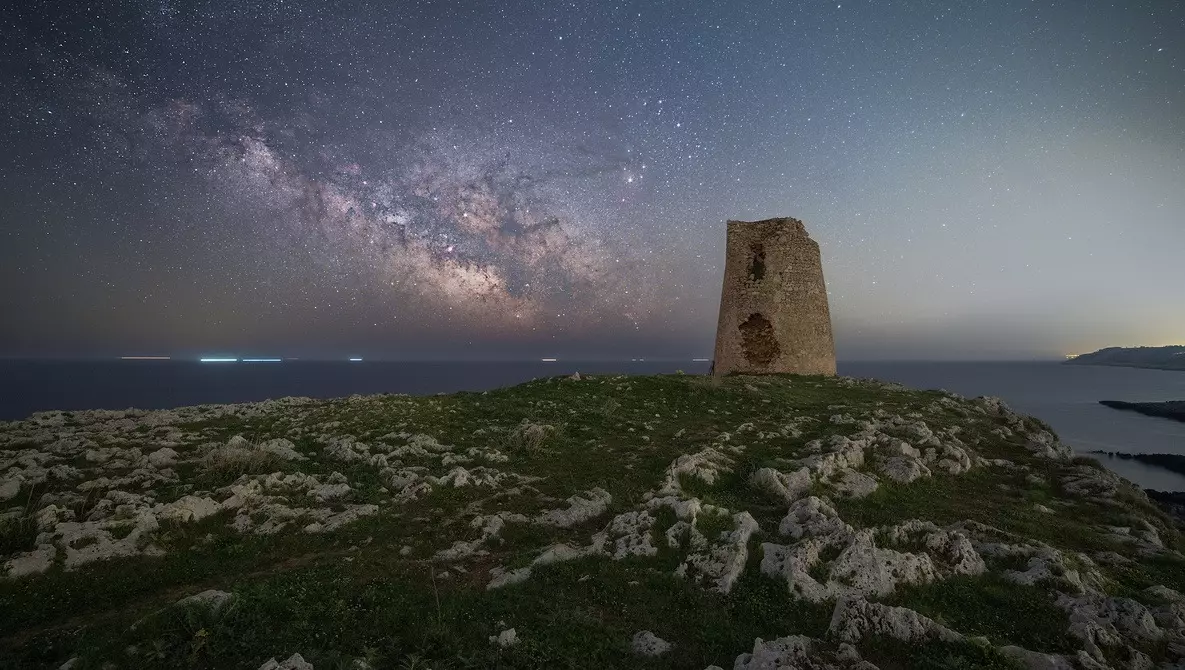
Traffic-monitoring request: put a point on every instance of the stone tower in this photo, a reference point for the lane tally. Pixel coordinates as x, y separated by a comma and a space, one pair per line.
773, 308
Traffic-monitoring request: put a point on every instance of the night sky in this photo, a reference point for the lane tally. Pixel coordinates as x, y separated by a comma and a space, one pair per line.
986, 179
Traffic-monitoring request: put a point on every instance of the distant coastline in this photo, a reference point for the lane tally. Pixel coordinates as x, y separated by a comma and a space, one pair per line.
1157, 358
1173, 409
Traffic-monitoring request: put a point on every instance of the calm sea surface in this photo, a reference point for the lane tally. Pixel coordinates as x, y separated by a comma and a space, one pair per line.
1063, 395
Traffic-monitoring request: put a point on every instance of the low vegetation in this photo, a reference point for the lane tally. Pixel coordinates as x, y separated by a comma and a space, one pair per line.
741, 521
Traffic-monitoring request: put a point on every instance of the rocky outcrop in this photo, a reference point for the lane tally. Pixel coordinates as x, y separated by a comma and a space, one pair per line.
646, 643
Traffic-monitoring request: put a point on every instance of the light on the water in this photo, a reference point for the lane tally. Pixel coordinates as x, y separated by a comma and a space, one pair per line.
549, 360
355, 360
219, 360
262, 360
700, 360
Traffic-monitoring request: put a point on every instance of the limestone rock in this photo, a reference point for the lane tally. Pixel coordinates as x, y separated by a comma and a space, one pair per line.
1033, 660
31, 562
812, 517
212, 599
785, 652
630, 534
785, 487
501, 577
507, 638
854, 484
163, 458
722, 563
855, 619
282, 448
581, 508
646, 643
9, 488
190, 508
705, 465
293, 662
798, 651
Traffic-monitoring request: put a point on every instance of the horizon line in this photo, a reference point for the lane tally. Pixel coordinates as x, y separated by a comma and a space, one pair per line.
524, 359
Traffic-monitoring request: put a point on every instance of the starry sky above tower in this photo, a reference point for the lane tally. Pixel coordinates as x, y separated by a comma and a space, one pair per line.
987, 179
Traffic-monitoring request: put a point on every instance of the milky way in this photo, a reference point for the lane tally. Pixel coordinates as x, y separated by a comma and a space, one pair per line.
508, 179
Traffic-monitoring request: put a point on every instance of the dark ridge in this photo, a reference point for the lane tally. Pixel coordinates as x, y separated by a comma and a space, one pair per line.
1173, 409
1171, 462
1160, 358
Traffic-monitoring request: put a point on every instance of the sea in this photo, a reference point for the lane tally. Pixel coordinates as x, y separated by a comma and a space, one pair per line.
1065, 396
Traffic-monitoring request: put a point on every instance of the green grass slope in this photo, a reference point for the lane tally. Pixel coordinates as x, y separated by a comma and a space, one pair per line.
746, 522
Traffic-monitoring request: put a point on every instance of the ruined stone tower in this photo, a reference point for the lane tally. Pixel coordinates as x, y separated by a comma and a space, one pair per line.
773, 308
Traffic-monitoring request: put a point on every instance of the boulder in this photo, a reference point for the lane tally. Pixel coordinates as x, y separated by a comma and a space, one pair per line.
646, 643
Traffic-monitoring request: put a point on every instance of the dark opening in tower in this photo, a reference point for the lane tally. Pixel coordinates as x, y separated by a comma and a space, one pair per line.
758, 340
757, 263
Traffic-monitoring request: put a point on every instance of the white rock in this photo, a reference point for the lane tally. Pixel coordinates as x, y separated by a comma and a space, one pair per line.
211, 599
785, 652
904, 469
190, 508
503, 578
581, 508
562, 552
293, 662
854, 484
723, 562
1103, 622
646, 643
784, 487
349, 515
704, 465
102, 544
684, 509
855, 619
814, 518
327, 492
163, 458
491, 527
1034, 660
867, 569
282, 448
631, 534
31, 562
507, 638
9, 488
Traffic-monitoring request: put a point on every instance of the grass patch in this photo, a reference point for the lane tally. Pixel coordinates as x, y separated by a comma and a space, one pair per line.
18, 534
224, 465
889, 654
989, 605
975, 496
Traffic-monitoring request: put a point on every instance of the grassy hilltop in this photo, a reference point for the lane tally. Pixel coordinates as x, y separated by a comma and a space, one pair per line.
667, 521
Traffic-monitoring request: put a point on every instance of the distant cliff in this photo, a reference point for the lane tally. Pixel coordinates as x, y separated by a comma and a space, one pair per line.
1174, 409
1162, 358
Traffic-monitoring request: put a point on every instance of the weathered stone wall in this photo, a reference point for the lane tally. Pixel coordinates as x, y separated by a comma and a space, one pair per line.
773, 308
